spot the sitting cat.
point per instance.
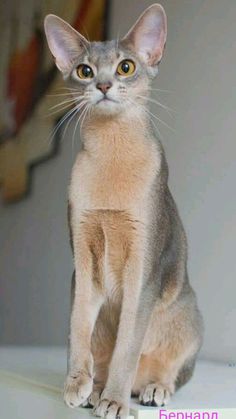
(135, 325)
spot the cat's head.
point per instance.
(110, 76)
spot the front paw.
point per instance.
(110, 409)
(77, 389)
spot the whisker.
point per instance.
(65, 101)
(168, 110)
(150, 117)
(160, 90)
(60, 122)
(63, 108)
(67, 88)
(82, 121)
(158, 131)
(69, 121)
(156, 117)
(134, 104)
(160, 120)
(60, 94)
(67, 105)
(58, 111)
(76, 125)
(58, 125)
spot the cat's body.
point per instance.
(135, 325)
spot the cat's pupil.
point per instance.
(125, 67)
(86, 70)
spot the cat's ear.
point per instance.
(65, 43)
(148, 35)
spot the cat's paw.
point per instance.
(154, 395)
(77, 389)
(110, 409)
(94, 398)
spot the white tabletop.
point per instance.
(31, 382)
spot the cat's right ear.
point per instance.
(65, 43)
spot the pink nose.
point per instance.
(104, 87)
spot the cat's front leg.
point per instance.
(86, 302)
(137, 305)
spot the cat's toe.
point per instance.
(154, 395)
(77, 390)
(94, 398)
(110, 409)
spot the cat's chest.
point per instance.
(113, 183)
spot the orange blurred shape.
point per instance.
(22, 77)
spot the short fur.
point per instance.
(135, 324)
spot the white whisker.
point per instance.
(167, 109)
(150, 117)
(82, 121)
(69, 121)
(67, 88)
(76, 125)
(61, 94)
(160, 90)
(58, 111)
(58, 125)
(160, 120)
(75, 99)
(156, 117)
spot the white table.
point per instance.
(31, 382)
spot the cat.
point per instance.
(135, 325)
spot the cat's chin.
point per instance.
(107, 107)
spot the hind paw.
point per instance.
(154, 395)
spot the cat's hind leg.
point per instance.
(168, 360)
(159, 392)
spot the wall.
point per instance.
(35, 258)
(199, 71)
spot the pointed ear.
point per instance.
(148, 35)
(65, 43)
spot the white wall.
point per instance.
(199, 70)
(35, 259)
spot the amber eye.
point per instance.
(84, 71)
(126, 68)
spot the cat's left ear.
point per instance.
(148, 35)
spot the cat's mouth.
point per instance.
(106, 99)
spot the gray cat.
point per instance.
(135, 325)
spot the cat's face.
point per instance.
(109, 78)
(113, 76)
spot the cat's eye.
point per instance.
(84, 71)
(126, 68)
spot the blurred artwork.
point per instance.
(28, 78)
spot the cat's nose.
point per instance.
(104, 87)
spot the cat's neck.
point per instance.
(112, 135)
